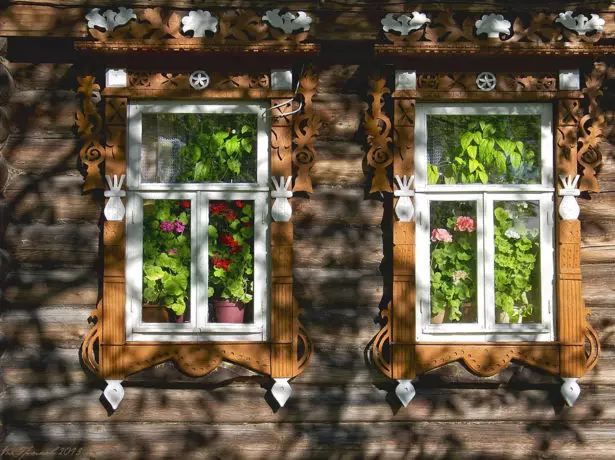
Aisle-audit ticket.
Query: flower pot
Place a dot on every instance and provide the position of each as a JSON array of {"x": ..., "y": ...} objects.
[
  {"x": 153, "y": 313},
  {"x": 229, "y": 312}
]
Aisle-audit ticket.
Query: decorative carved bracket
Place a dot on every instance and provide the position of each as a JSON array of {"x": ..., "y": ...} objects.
[{"x": 378, "y": 127}]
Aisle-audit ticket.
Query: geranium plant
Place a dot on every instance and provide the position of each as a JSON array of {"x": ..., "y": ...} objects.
[
  {"x": 231, "y": 243},
  {"x": 516, "y": 253},
  {"x": 166, "y": 253},
  {"x": 453, "y": 272}
]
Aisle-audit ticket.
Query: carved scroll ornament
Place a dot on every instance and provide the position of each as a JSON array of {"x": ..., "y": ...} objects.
[
  {"x": 378, "y": 128},
  {"x": 89, "y": 127},
  {"x": 306, "y": 127}
]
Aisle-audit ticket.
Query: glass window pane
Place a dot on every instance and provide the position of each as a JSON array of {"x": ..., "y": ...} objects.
[
  {"x": 483, "y": 149},
  {"x": 453, "y": 258},
  {"x": 231, "y": 261},
  {"x": 166, "y": 261},
  {"x": 186, "y": 147},
  {"x": 517, "y": 261}
]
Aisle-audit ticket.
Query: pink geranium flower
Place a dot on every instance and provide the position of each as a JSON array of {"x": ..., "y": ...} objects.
[
  {"x": 441, "y": 234},
  {"x": 464, "y": 224}
]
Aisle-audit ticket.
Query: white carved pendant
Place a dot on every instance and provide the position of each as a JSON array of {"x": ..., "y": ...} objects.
[
  {"x": 404, "y": 208},
  {"x": 404, "y": 24},
  {"x": 288, "y": 22},
  {"x": 570, "y": 390},
  {"x": 109, "y": 20},
  {"x": 405, "y": 391},
  {"x": 199, "y": 22},
  {"x": 281, "y": 391},
  {"x": 114, "y": 209},
  {"x": 114, "y": 393},
  {"x": 493, "y": 25},
  {"x": 580, "y": 23},
  {"x": 569, "y": 208},
  {"x": 281, "y": 211}
]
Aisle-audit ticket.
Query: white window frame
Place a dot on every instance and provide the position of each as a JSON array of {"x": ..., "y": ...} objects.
[
  {"x": 198, "y": 329},
  {"x": 485, "y": 329}
]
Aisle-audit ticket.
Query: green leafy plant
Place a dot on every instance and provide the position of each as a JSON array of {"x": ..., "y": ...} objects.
[
  {"x": 231, "y": 243},
  {"x": 220, "y": 154},
  {"x": 166, "y": 253},
  {"x": 485, "y": 154},
  {"x": 516, "y": 253},
  {"x": 452, "y": 267}
]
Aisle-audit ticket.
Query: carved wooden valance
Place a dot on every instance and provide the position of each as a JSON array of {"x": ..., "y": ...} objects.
[
  {"x": 105, "y": 350},
  {"x": 395, "y": 349},
  {"x": 174, "y": 31}
]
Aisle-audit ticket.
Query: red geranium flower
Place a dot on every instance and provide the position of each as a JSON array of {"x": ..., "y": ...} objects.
[{"x": 228, "y": 240}]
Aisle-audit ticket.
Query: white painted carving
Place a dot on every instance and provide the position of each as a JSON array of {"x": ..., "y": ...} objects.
[
  {"x": 116, "y": 78},
  {"x": 281, "y": 211},
  {"x": 570, "y": 390},
  {"x": 493, "y": 25},
  {"x": 114, "y": 210},
  {"x": 404, "y": 24},
  {"x": 569, "y": 80},
  {"x": 405, "y": 80},
  {"x": 114, "y": 393},
  {"x": 405, "y": 391},
  {"x": 569, "y": 208},
  {"x": 288, "y": 22},
  {"x": 199, "y": 22},
  {"x": 486, "y": 81},
  {"x": 581, "y": 24},
  {"x": 109, "y": 20},
  {"x": 281, "y": 391},
  {"x": 199, "y": 80},
  {"x": 281, "y": 79},
  {"x": 404, "y": 208}
]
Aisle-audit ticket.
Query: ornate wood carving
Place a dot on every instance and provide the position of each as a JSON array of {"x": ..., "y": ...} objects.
[
  {"x": 153, "y": 24},
  {"x": 105, "y": 350},
  {"x": 88, "y": 123},
  {"x": 306, "y": 128},
  {"x": 455, "y": 27},
  {"x": 378, "y": 128}
]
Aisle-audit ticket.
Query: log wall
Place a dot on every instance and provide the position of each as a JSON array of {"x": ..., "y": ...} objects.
[{"x": 341, "y": 406}]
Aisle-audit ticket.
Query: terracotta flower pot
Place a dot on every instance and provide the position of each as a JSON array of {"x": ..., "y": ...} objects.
[{"x": 229, "y": 312}]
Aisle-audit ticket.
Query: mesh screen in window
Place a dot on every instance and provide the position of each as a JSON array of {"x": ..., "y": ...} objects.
[
  {"x": 195, "y": 148},
  {"x": 487, "y": 149}
]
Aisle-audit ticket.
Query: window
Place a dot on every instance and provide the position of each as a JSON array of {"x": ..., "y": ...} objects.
[
  {"x": 197, "y": 214},
  {"x": 484, "y": 224}
]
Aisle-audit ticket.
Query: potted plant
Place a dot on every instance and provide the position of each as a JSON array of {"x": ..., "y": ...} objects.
[
  {"x": 452, "y": 267},
  {"x": 516, "y": 253},
  {"x": 166, "y": 258},
  {"x": 231, "y": 261}
]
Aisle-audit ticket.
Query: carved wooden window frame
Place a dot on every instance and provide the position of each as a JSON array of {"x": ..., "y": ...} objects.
[
  {"x": 395, "y": 349},
  {"x": 288, "y": 349}
]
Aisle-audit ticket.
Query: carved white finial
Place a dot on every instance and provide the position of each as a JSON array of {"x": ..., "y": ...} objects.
[
  {"x": 569, "y": 208},
  {"x": 281, "y": 210},
  {"x": 109, "y": 20},
  {"x": 281, "y": 391},
  {"x": 114, "y": 393},
  {"x": 405, "y": 392},
  {"x": 493, "y": 25},
  {"x": 404, "y": 24},
  {"x": 114, "y": 210},
  {"x": 570, "y": 390},
  {"x": 199, "y": 22},
  {"x": 288, "y": 22},
  {"x": 581, "y": 24},
  {"x": 404, "y": 208}
]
